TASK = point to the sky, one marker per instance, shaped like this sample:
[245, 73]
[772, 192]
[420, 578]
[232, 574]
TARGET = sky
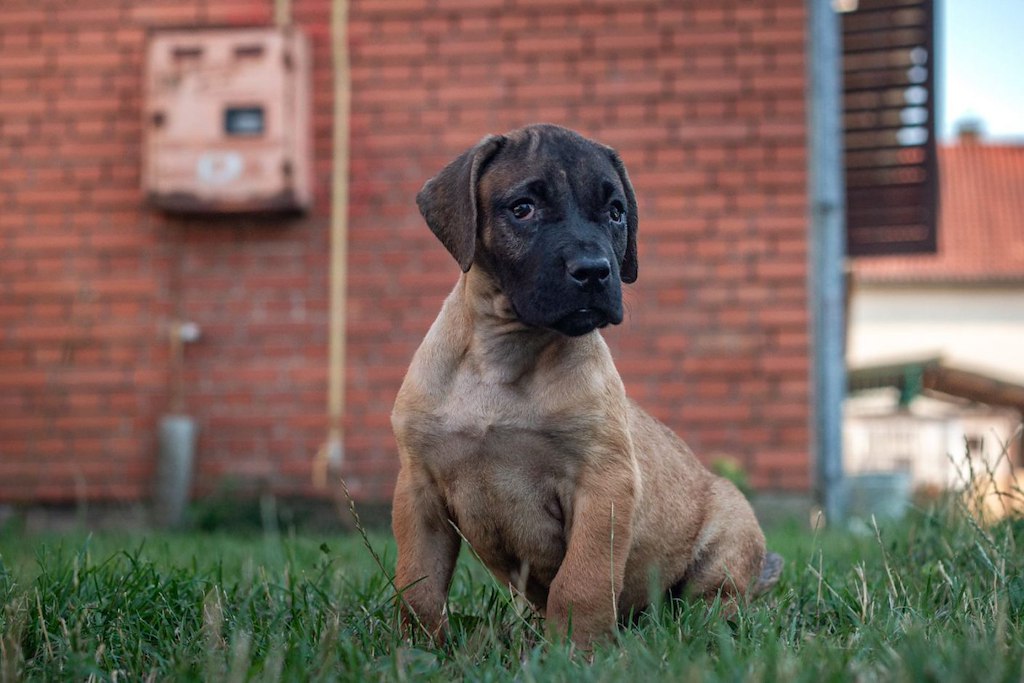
[982, 66]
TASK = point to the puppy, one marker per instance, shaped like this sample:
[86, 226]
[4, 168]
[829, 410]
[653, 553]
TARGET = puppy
[513, 427]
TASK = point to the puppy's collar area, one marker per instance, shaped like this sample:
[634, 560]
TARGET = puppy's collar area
[486, 300]
[500, 339]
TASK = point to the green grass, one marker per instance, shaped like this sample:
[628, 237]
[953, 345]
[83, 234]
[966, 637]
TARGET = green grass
[936, 597]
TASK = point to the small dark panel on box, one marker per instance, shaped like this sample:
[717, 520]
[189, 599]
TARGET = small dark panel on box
[244, 121]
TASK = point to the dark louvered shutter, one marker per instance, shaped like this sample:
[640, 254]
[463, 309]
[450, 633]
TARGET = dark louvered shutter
[889, 123]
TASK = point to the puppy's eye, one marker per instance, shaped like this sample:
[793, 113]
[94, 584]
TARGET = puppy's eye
[523, 210]
[616, 212]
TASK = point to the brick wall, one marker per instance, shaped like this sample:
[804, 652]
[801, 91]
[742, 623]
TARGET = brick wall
[91, 281]
[703, 99]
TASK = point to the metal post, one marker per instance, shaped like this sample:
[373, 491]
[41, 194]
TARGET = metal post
[827, 249]
[175, 465]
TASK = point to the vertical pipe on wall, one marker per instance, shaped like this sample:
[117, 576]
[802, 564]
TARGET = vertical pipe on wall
[332, 452]
[827, 250]
[282, 13]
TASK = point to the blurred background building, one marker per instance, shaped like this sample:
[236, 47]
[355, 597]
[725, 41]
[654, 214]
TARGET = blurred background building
[118, 307]
[936, 339]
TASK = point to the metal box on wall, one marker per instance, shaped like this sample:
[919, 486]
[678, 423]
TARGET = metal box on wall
[227, 120]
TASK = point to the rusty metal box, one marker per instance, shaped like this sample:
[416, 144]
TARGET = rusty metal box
[227, 120]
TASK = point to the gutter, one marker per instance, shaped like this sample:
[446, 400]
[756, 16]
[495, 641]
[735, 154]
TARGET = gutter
[331, 454]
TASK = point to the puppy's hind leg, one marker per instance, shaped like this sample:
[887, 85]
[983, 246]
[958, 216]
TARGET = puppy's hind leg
[729, 558]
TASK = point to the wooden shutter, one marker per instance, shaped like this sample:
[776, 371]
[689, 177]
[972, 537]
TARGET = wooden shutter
[889, 127]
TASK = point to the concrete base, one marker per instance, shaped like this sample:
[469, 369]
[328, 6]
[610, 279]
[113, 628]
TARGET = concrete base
[71, 518]
[177, 455]
[773, 509]
[784, 508]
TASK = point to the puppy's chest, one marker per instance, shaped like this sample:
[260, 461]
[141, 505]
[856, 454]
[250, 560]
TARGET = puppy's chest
[506, 473]
[499, 433]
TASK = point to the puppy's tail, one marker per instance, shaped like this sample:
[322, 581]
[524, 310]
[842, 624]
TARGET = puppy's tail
[771, 570]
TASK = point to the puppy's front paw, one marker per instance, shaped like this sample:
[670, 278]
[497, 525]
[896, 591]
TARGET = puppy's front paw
[583, 620]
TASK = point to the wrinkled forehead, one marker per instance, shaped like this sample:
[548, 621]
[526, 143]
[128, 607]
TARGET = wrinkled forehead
[569, 162]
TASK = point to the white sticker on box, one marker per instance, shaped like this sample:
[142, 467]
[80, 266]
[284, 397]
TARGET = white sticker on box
[219, 168]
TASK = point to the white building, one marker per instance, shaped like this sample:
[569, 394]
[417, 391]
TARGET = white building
[947, 330]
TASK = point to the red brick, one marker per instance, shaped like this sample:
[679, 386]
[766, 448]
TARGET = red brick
[772, 364]
[717, 413]
[156, 12]
[46, 242]
[22, 16]
[780, 269]
[94, 58]
[11, 61]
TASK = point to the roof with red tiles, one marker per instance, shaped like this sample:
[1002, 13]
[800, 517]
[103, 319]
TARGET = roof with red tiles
[981, 222]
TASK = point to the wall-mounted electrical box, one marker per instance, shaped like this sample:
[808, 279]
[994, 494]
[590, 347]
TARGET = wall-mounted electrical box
[227, 120]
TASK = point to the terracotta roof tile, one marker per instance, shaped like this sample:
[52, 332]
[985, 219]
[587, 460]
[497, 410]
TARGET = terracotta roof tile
[981, 222]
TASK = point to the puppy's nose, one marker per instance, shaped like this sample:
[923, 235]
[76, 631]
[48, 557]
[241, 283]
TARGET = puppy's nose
[589, 271]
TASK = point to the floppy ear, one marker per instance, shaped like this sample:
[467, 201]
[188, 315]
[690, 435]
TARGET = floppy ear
[628, 267]
[448, 201]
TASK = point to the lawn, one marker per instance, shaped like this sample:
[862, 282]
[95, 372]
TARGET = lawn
[936, 597]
